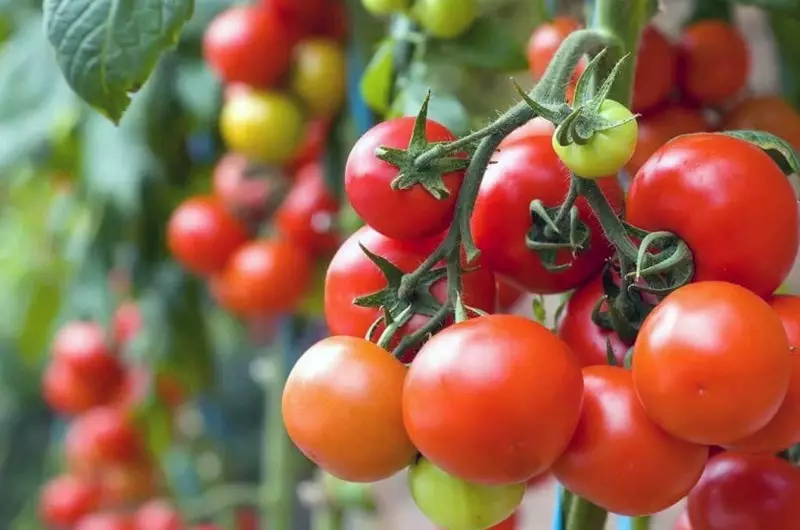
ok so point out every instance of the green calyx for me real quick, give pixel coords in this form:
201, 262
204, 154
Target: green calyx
428, 174
555, 230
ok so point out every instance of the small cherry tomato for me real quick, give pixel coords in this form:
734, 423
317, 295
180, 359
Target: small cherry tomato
299, 18
445, 19
618, 458
400, 214
606, 152
705, 188
157, 515
545, 41
264, 126
714, 62
746, 492
770, 114
83, 346
66, 499
242, 187
656, 64
658, 128
66, 392
456, 504
319, 76
347, 416
503, 367
101, 436
202, 235
385, 7
694, 367
247, 44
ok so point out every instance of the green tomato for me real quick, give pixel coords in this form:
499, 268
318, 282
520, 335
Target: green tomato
456, 504
385, 7
445, 19
606, 152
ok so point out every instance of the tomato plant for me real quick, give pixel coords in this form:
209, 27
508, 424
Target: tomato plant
66, 499
318, 77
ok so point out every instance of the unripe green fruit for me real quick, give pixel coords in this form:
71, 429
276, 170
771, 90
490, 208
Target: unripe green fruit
445, 19
385, 7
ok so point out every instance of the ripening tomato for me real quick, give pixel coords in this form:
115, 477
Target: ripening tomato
714, 62
307, 215
242, 187
728, 200
352, 274
694, 367
126, 323
501, 219
618, 458
101, 436
657, 129
507, 295
66, 499
247, 44
266, 127
318, 77
342, 408
157, 515
771, 114
656, 65
588, 341
105, 521
536, 127
128, 483
783, 430
493, 400
545, 41
400, 214
445, 19
202, 235
746, 492
265, 277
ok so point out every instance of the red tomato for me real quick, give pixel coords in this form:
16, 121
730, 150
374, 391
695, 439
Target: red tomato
618, 458
247, 44
507, 296
105, 521
265, 277
771, 114
313, 143
82, 345
707, 188
202, 235
694, 367
69, 393
746, 492
656, 65
243, 193
545, 41
535, 127
400, 214
157, 515
521, 173
714, 62
307, 215
347, 417
101, 436
586, 339
657, 129
783, 431
493, 400
351, 274
300, 18
65, 499
127, 323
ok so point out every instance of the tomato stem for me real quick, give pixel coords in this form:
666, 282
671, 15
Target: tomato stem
328, 518
612, 225
583, 515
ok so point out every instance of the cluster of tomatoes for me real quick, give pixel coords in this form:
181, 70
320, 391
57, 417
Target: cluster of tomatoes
441, 19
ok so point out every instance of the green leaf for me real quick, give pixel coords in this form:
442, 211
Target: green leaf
107, 48
443, 107
488, 44
378, 77
778, 149
784, 7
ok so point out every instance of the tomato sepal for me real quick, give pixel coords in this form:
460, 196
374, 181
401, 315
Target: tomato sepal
778, 149
552, 232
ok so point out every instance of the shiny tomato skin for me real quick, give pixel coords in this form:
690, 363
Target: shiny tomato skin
265, 277
660, 127
351, 274
400, 214
714, 62
307, 215
746, 492
502, 369
101, 436
66, 498
694, 367
587, 340
783, 430
202, 235
105, 521
342, 408
770, 114
521, 173
240, 193
656, 65
247, 44
157, 515
544, 43
536, 127
618, 458
706, 187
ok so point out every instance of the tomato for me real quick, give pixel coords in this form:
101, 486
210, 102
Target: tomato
82, 345
509, 524
545, 41
507, 296
202, 235
657, 129
266, 127
618, 458
504, 369
342, 408
157, 515
400, 214
501, 219
783, 430
536, 127
705, 188
307, 215
103, 435
311, 148
243, 188
656, 65
319, 76
66, 498
126, 323
714, 62
445, 19
352, 274
385, 7
246, 44
771, 114
606, 152
105, 521
456, 504
746, 492
587, 340
302, 15
69, 393
128, 483
694, 367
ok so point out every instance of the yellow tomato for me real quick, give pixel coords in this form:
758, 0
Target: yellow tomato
319, 76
